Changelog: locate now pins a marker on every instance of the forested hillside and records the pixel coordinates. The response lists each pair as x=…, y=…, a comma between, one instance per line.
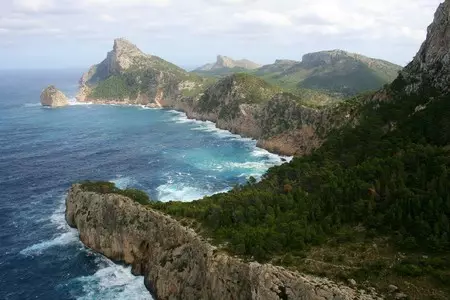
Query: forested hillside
x=374, y=200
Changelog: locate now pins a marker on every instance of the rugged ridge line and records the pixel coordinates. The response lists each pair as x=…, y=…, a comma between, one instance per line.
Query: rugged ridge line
x=179, y=264
x=433, y=58
x=240, y=103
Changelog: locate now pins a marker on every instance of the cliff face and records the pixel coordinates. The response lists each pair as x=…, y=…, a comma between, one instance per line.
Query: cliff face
x=240, y=103
x=225, y=62
x=53, y=97
x=179, y=264
x=129, y=76
x=433, y=58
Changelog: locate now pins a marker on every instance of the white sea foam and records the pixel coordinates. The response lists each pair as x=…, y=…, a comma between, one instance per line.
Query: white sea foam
x=68, y=235
x=180, y=192
x=74, y=102
x=123, y=182
x=112, y=282
x=144, y=107
x=206, y=126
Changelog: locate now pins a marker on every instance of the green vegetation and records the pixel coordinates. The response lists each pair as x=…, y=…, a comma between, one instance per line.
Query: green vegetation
x=389, y=176
x=220, y=72
x=105, y=187
x=350, y=83
x=246, y=88
x=116, y=87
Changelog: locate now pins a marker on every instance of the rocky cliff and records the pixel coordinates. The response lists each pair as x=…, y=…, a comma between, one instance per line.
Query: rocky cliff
x=225, y=62
x=179, y=264
x=53, y=97
x=433, y=59
x=241, y=103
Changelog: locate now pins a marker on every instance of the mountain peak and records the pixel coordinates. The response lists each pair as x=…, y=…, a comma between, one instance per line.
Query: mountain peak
x=433, y=58
x=225, y=62
x=122, y=45
x=333, y=57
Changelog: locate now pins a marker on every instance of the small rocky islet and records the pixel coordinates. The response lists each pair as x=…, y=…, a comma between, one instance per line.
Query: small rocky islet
x=52, y=97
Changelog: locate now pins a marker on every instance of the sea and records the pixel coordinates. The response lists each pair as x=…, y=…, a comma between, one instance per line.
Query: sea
x=44, y=150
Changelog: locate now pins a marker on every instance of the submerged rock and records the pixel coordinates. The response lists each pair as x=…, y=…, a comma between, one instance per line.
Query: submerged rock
x=53, y=97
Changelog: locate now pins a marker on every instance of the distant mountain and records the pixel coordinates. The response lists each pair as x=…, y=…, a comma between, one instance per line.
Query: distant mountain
x=225, y=65
x=336, y=72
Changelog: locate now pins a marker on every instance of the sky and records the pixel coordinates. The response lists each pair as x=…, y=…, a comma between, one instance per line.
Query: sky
x=78, y=33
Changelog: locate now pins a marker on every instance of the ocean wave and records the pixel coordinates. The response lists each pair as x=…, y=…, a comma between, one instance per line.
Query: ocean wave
x=76, y=103
x=123, y=182
x=181, y=192
x=66, y=237
x=111, y=282
x=205, y=126
x=144, y=107
x=61, y=240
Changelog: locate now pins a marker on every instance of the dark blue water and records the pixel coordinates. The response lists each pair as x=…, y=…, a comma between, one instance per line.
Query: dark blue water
x=43, y=151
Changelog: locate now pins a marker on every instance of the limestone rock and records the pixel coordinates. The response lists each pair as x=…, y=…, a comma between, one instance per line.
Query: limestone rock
x=400, y=296
x=242, y=104
x=433, y=58
x=179, y=264
x=225, y=62
x=392, y=288
x=53, y=97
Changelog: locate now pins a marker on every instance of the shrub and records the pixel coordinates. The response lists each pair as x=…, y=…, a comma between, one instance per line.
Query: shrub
x=105, y=187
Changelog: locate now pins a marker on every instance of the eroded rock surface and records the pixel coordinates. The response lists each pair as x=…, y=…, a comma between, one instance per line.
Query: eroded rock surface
x=178, y=263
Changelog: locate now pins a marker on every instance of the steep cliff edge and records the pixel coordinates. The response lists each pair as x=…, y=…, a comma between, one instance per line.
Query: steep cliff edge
x=433, y=59
x=241, y=103
x=179, y=264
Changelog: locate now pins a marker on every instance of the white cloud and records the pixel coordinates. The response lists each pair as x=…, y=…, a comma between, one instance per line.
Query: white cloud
x=125, y=3
x=263, y=17
x=107, y=18
x=265, y=29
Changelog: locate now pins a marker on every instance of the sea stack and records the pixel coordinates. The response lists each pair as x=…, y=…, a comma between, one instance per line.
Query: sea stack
x=53, y=97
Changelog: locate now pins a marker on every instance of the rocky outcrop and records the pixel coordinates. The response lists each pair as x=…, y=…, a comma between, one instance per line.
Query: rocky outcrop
x=433, y=59
x=333, y=57
x=154, y=77
x=179, y=264
x=243, y=104
x=53, y=97
x=225, y=62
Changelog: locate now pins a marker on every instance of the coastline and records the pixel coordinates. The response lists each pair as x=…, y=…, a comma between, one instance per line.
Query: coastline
x=260, y=143
x=178, y=263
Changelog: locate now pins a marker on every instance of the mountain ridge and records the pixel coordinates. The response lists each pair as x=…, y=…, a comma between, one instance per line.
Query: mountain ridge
x=128, y=76
x=225, y=62
x=333, y=71
x=371, y=205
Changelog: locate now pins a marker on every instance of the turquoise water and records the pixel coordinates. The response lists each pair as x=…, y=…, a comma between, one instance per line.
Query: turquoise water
x=43, y=151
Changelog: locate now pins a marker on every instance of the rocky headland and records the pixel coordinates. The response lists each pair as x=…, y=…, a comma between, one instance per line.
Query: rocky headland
x=241, y=103
x=178, y=263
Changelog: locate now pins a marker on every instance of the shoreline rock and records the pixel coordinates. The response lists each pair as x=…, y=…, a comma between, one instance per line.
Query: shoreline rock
x=177, y=263
x=53, y=97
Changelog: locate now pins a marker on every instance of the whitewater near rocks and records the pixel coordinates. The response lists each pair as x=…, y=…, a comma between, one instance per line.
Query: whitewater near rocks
x=43, y=151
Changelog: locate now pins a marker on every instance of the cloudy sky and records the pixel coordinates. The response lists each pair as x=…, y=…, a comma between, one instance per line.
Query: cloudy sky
x=78, y=33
